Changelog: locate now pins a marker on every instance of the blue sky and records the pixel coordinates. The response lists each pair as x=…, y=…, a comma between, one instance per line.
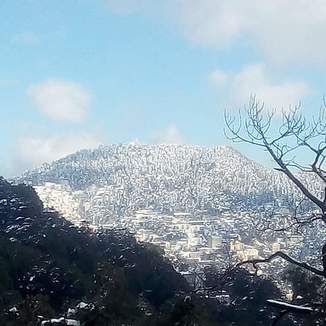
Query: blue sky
x=79, y=73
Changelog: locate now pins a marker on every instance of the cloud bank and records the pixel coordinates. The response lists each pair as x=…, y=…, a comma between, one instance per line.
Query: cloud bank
x=168, y=135
x=284, y=31
x=33, y=151
x=61, y=100
x=253, y=80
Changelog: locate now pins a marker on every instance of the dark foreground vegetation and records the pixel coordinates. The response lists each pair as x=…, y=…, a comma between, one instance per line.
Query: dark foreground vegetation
x=49, y=269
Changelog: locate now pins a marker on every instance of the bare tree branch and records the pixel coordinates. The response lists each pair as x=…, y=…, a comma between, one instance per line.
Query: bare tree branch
x=280, y=254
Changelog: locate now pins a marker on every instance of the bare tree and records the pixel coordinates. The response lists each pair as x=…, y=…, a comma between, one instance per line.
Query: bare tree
x=287, y=139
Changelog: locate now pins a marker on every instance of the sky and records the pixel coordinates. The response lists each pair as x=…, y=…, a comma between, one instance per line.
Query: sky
x=75, y=74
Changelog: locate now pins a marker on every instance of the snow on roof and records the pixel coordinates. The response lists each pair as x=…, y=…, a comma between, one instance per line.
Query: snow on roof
x=289, y=306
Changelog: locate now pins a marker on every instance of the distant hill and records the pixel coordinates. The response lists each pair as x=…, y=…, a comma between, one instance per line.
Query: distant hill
x=167, y=177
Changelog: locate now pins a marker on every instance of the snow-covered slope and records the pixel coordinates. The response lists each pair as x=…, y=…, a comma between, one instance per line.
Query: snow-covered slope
x=166, y=177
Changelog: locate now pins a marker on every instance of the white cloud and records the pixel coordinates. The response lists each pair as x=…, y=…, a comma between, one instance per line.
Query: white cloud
x=254, y=80
x=286, y=31
x=220, y=78
x=168, y=135
x=34, y=150
x=61, y=100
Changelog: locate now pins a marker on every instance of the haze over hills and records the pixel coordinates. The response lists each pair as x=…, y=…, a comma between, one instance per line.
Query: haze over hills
x=165, y=178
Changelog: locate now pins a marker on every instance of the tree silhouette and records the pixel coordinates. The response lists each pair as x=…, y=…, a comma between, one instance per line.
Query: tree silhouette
x=298, y=147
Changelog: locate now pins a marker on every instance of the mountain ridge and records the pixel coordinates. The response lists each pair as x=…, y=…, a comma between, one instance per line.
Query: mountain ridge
x=106, y=148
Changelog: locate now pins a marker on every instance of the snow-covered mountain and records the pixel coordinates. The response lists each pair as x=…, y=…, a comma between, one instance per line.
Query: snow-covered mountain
x=165, y=177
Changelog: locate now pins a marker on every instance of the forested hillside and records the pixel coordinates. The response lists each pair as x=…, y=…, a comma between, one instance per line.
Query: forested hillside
x=166, y=178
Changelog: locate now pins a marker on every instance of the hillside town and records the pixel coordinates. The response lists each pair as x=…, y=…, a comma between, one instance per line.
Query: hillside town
x=190, y=241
